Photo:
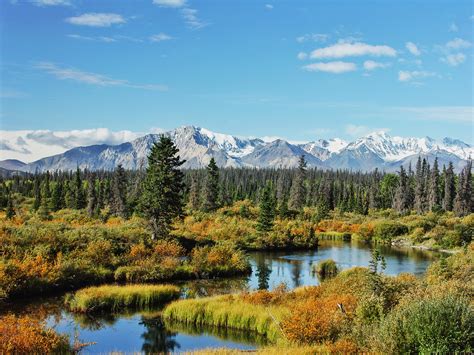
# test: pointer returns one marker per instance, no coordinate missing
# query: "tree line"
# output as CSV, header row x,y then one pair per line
x,y
164,190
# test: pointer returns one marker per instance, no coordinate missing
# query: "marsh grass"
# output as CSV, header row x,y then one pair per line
x,y
229,312
115,298
326,268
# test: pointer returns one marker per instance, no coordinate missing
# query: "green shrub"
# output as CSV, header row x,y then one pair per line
x,y
326,269
434,325
386,230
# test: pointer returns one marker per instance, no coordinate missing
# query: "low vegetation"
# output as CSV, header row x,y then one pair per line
x,y
358,310
115,298
326,268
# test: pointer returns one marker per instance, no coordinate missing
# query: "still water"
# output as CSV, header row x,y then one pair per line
x,y
146,332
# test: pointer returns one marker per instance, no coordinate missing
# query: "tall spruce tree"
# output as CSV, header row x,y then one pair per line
x,y
267,209
10,211
91,197
37,193
57,197
434,195
163,187
79,198
420,186
194,195
401,201
463,201
119,193
449,188
298,188
211,188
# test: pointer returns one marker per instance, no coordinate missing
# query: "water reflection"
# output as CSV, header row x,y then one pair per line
x,y
146,332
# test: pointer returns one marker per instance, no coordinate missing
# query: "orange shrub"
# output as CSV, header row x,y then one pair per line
x,y
342,346
168,248
25,335
320,319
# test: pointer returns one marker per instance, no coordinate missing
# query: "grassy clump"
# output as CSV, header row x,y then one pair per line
x,y
326,268
113,297
229,312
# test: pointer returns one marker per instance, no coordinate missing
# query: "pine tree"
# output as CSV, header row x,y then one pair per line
x,y
194,196
163,188
211,188
91,198
267,210
401,200
10,211
37,193
298,188
79,198
420,186
449,188
57,198
463,201
434,198
119,193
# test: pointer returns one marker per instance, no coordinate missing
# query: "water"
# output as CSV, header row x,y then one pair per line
x,y
146,331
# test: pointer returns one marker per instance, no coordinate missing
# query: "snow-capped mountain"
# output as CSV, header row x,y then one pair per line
x,y
198,145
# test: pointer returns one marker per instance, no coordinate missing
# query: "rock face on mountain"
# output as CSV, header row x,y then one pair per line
x,y
198,145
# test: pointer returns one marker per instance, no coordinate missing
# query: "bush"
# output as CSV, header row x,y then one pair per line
x,y
326,269
387,230
433,325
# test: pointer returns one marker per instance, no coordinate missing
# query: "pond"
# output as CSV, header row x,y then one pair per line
x,y
146,332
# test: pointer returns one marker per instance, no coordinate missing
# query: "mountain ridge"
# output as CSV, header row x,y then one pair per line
x,y
198,145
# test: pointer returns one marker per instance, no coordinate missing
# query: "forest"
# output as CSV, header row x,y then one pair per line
x,y
61,231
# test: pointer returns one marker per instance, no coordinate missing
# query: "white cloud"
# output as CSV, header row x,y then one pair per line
x,y
314,37
94,19
269,6
331,67
453,28
360,130
458,43
64,73
344,49
29,145
372,65
454,59
412,48
302,55
439,113
170,3
94,39
51,2
405,76
191,18
160,37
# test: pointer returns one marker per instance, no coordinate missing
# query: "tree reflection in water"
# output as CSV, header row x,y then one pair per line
x,y
263,274
157,339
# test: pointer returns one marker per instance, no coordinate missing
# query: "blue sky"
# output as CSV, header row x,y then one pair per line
x,y
301,70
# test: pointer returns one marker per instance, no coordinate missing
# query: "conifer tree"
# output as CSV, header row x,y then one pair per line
x,y
57,198
163,188
37,193
267,210
449,188
119,193
10,211
420,186
463,201
298,188
79,198
283,207
211,188
401,200
91,197
434,198
194,196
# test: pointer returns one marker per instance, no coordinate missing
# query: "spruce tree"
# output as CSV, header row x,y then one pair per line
x,y
91,198
79,198
163,187
434,198
194,195
119,193
57,198
211,188
401,200
449,188
298,188
420,186
463,201
10,211
37,193
267,210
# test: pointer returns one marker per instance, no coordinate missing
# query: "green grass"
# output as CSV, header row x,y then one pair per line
x,y
326,268
114,298
228,312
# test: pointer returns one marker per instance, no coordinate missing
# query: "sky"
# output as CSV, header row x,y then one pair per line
x,y
77,72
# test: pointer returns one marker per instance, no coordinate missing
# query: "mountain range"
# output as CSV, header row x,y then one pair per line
x,y
198,145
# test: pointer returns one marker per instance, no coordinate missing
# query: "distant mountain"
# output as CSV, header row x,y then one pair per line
x,y
198,145
12,164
